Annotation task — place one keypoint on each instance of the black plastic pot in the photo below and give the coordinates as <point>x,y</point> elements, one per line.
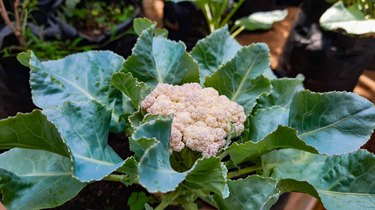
<point>328,60</point>
<point>185,22</point>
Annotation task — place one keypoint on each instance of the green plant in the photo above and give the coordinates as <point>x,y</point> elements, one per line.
<point>355,17</point>
<point>218,13</point>
<point>44,49</point>
<point>94,18</point>
<point>293,139</point>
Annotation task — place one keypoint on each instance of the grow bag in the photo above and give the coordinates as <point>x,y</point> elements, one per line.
<point>15,92</point>
<point>185,22</point>
<point>328,60</point>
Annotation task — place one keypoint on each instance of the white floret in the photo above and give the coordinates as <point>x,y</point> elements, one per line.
<point>202,118</point>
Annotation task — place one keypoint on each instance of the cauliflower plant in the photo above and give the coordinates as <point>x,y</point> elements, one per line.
<point>202,118</point>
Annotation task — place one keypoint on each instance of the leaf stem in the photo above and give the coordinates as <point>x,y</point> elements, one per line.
<point>116,178</point>
<point>243,171</point>
<point>234,10</point>
<point>208,15</point>
<point>238,31</point>
<point>167,200</point>
<point>206,198</point>
<point>223,155</point>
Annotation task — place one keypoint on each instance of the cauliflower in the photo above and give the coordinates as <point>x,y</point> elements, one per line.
<point>202,118</point>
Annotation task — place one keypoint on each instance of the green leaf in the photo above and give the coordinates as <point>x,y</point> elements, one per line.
<point>351,20</point>
<point>264,121</point>
<point>333,123</point>
<point>79,77</point>
<point>155,171</point>
<point>137,200</point>
<point>131,87</point>
<point>282,92</point>
<point>262,20</point>
<point>31,131</point>
<point>159,60</point>
<point>24,58</point>
<point>35,179</point>
<point>341,181</point>
<point>254,192</point>
<point>240,79</point>
<point>209,174</point>
<point>85,127</point>
<point>129,168</point>
<point>214,50</point>
<point>283,137</point>
<point>142,24</point>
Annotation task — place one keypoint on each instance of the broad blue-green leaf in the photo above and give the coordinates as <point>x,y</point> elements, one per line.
<point>264,121</point>
<point>209,174</point>
<point>214,50</point>
<point>159,60</point>
<point>85,127</point>
<point>333,123</point>
<point>283,137</point>
<point>142,24</point>
<point>341,181</point>
<point>155,171</point>
<point>268,73</point>
<point>282,92</point>
<point>35,179</point>
<point>254,192</point>
<point>262,20</point>
<point>79,77</point>
<point>131,87</point>
<point>31,131</point>
<point>350,19</point>
<point>240,80</point>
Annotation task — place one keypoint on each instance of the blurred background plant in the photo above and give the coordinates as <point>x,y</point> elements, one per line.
<point>219,13</point>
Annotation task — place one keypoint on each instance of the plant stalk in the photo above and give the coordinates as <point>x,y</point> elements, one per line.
<point>17,30</point>
<point>115,178</point>
<point>208,15</point>
<point>234,10</point>
<point>243,171</point>
<point>238,31</point>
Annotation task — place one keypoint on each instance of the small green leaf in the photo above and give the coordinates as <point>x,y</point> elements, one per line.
<point>254,192</point>
<point>131,87</point>
<point>341,181</point>
<point>283,137</point>
<point>141,24</point>
<point>79,77</point>
<point>240,79</point>
<point>351,20</point>
<point>333,123</point>
<point>85,127</point>
<point>262,20</point>
<point>137,200</point>
<point>31,131</point>
<point>209,174</point>
<point>159,60</point>
<point>214,50</point>
<point>129,168</point>
<point>35,179</point>
<point>24,58</point>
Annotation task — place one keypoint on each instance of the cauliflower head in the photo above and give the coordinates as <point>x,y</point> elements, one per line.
<point>202,118</point>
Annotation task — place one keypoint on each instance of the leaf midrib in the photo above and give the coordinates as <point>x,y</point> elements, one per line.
<point>332,124</point>
<point>236,94</point>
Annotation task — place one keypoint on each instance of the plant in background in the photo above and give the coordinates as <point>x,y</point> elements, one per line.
<point>213,124</point>
<point>17,22</point>
<point>95,18</point>
<point>354,17</point>
<point>219,13</point>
